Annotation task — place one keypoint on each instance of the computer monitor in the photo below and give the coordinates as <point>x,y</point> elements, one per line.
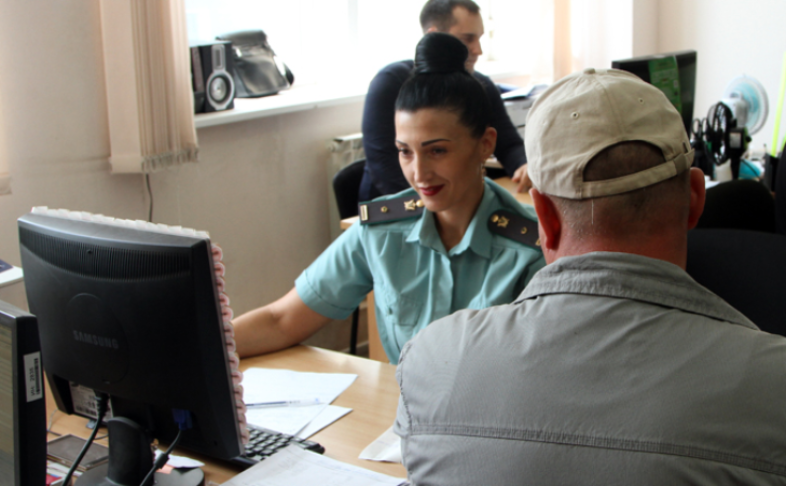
<point>674,73</point>
<point>22,407</point>
<point>131,310</point>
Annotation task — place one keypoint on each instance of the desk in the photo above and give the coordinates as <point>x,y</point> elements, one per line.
<point>373,398</point>
<point>375,350</point>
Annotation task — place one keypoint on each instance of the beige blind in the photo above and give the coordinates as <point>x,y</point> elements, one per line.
<point>148,82</point>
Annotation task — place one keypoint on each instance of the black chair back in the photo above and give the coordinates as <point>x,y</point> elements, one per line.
<point>346,183</point>
<point>747,269</point>
<point>741,204</point>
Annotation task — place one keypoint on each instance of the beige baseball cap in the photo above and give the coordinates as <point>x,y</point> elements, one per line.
<point>584,113</point>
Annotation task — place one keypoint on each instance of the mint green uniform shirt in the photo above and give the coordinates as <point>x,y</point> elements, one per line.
<point>415,281</point>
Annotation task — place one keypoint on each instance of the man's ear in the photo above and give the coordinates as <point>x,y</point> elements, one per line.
<point>697,196</point>
<point>431,29</point>
<point>549,224</point>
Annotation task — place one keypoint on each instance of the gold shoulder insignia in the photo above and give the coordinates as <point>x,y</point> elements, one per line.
<point>389,210</point>
<point>514,226</point>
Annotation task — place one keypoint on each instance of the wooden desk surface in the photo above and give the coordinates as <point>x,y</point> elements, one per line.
<point>373,398</point>
<point>506,182</point>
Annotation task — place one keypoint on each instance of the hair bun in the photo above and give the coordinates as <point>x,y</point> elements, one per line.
<point>438,52</point>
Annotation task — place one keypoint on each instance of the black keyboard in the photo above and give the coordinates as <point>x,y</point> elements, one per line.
<point>264,443</point>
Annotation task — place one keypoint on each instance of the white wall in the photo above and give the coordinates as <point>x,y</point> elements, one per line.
<point>260,187</point>
<point>731,38</point>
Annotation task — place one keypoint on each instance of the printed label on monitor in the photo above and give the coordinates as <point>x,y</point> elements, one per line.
<point>33,385</point>
<point>665,75</point>
<point>84,400</point>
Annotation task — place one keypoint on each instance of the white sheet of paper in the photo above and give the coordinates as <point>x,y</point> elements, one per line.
<point>329,415</point>
<point>262,385</point>
<point>178,462</point>
<point>293,466</point>
<point>386,448</point>
<point>287,420</point>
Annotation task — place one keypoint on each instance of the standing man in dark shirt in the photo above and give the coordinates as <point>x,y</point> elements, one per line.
<point>460,18</point>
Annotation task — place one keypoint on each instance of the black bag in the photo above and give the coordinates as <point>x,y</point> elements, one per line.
<point>258,72</point>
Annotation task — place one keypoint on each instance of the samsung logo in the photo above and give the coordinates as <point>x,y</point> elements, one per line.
<point>103,342</point>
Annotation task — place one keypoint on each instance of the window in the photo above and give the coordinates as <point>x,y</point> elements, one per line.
<point>344,41</point>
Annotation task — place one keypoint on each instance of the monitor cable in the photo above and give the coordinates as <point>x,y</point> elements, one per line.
<point>183,419</point>
<point>102,400</point>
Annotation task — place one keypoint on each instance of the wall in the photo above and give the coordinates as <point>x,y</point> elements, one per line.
<point>260,187</point>
<point>731,38</point>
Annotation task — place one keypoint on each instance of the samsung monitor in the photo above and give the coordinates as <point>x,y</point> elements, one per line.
<point>134,310</point>
<point>674,73</point>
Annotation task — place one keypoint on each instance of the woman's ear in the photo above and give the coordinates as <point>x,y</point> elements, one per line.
<point>488,142</point>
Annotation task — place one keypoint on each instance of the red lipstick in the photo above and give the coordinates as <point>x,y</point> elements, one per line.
<point>431,190</point>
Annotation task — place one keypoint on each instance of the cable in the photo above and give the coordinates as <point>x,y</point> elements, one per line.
<point>184,422</point>
<point>161,460</point>
<point>150,195</point>
<point>101,405</point>
<point>51,422</point>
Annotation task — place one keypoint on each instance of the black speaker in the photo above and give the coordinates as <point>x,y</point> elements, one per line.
<point>212,76</point>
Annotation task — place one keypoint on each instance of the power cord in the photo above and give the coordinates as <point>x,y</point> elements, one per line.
<point>101,406</point>
<point>184,422</point>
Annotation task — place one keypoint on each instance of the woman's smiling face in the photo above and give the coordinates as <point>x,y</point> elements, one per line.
<point>441,159</point>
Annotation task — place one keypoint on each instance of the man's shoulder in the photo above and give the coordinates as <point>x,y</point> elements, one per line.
<point>399,69</point>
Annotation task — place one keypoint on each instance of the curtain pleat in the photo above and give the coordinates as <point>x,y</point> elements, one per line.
<point>148,79</point>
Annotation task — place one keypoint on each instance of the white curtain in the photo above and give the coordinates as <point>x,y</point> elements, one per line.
<point>591,33</point>
<point>148,79</point>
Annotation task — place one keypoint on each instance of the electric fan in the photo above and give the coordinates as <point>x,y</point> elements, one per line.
<point>725,133</point>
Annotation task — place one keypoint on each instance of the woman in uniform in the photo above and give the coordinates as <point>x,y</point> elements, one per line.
<point>455,240</point>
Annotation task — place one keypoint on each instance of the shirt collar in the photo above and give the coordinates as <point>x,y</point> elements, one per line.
<point>633,277</point>
<point>425,230</point>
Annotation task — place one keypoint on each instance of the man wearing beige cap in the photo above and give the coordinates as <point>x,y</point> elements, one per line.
<point>613,366</point>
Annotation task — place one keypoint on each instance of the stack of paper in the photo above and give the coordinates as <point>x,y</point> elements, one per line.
<point>293,466</point>
<point>267,386</point>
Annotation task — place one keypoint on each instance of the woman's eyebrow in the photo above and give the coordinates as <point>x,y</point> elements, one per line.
<point>429,142</point>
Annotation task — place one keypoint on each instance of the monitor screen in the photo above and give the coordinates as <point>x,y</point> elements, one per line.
<point>132,310</point>
<point>673,73</point>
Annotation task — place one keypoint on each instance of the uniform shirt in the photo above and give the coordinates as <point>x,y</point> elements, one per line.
<point>415,281</point>
<point>611,368</point>
<point>379,131</point>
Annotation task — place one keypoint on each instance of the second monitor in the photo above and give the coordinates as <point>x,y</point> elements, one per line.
<point>674,73</point>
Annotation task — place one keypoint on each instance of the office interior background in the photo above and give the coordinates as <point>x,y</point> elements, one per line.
<point>261,186</point>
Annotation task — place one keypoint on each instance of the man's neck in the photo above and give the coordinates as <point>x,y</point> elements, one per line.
<point>669,248</point>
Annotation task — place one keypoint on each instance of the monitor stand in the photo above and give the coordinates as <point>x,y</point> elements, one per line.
<point>131,458</point>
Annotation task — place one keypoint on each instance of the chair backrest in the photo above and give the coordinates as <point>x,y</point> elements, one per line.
<point>747,269</point>
<point>346,183</point>
<point>741,204</point>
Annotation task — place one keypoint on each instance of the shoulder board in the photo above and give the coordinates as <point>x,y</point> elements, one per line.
<point>389,210</point>
<point>514,226</point>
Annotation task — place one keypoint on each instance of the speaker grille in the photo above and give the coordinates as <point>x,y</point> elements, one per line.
<point>105,262</point>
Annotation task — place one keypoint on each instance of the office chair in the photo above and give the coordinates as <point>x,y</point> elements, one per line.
<point>741,204</point>
<point>747,269</point>
<point>780,197</point>
<point>346,183</point>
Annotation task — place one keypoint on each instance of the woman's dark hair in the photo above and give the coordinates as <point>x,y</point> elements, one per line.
<point>440,80</point>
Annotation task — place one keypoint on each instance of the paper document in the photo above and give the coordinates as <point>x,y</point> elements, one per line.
<point>386,448</point>
<point>327,417</point>
<point>287,420</point>
<point>263,385</point>
<point>293,466</point>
